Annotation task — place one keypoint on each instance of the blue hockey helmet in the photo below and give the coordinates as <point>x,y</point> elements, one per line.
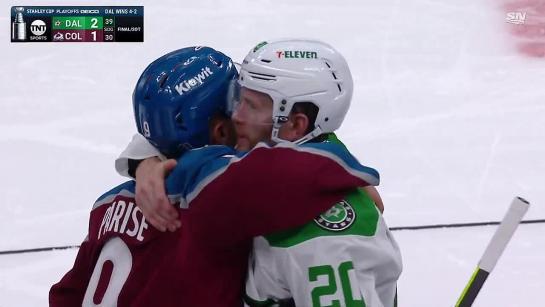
<point>178,94</point>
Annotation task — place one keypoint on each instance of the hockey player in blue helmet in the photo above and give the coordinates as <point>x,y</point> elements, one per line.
<point>180,102</point>
<point>180,96</point>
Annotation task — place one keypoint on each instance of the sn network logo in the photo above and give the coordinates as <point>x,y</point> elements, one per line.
<point>516,18</point>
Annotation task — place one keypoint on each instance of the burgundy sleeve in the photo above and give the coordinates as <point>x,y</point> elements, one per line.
<point>267,191</point>
<point>69,291</point>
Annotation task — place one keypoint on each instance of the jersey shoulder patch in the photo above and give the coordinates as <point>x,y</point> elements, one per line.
<point>356,215</point>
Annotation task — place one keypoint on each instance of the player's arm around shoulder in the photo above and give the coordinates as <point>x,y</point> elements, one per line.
<point>371,190</point>
<point>195,169</point>
<point>337,153</point>
<point>266,183</point>
<point>270,171</point>
<point>139,148</point>
<point>374,194</point>
<point>142,161</point>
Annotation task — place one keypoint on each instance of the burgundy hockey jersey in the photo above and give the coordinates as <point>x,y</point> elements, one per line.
<point>224,199</point>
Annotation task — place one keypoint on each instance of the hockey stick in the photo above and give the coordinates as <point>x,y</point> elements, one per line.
<point>493,251</point>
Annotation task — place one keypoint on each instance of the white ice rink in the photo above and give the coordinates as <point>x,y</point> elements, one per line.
<point>445,107</point>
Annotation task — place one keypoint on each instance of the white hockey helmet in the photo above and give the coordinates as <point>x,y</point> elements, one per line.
<point>300,70</point>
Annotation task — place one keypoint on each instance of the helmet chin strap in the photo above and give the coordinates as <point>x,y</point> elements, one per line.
<point>279,121</point>
<point>309,136</point>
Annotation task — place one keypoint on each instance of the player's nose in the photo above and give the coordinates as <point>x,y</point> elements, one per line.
<point>238,115</point>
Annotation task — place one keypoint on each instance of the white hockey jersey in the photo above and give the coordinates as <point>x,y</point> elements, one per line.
<point>345,257</point>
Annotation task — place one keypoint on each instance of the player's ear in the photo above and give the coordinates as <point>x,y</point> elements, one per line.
<point>298,125</point>
<point>222,132</point>
<point>216,132</point>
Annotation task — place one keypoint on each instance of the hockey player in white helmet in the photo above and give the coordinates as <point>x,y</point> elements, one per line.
<point>290,76</point>
<point>300,71</point>
<point>346,256</point>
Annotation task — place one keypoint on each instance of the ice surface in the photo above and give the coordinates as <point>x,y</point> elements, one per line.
<point>445,107</point>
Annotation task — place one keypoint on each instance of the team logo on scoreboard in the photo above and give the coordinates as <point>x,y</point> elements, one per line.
<point>58,36</point>
<point>339,217</point>
<point>38,27</point>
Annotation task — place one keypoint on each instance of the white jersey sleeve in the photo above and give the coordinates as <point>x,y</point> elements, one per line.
<point>138,149</point>
<point>260,278</point>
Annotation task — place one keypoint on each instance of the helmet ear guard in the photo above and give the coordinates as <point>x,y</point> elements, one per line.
<point>296,70</point>
<point>177,95</point>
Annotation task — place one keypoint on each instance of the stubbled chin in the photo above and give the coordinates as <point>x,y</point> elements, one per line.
<point>243,145</point>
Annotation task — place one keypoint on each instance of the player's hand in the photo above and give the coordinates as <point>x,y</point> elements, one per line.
<point>151,196</point>
<point>373,193</point>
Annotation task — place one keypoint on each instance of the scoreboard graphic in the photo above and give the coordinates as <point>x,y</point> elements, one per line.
<point>77,24</point>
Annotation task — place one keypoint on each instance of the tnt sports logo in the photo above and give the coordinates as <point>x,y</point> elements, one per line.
<point>339,217</point>
<point>38,27</point>
<point>296,54</point>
